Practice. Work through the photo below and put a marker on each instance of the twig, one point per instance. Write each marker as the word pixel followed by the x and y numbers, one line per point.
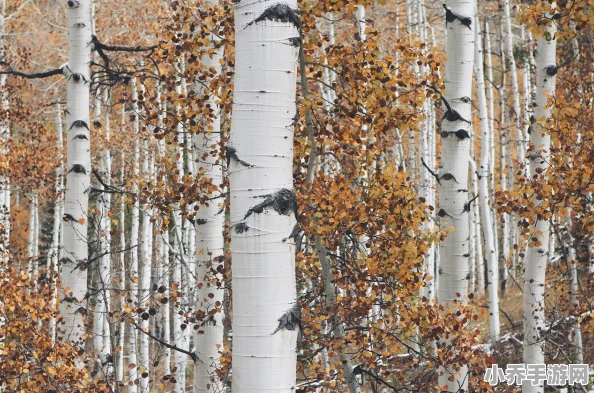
pixel 39 75
pixel 192 355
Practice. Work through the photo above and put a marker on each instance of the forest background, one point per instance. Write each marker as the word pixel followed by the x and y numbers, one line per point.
pixel 313 196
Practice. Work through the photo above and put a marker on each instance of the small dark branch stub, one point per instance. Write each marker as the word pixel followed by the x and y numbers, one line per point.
pixel 231 153
pixel 68 217
pixel 467 205
pixel 241 228
pixel 295 41
pixel 448 176
pixel 551 70
pixel 80 124
pixel 291 320
pixel 78 168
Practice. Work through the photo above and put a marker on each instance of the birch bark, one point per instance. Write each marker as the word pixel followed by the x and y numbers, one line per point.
pixel 484 172
pixel 133 278
pixel 509 49
pixel 102 339
pixel 73 273
pixel 453 172
pixel 209 240
pixel 58 212
pixel 537 253
pixel 266 314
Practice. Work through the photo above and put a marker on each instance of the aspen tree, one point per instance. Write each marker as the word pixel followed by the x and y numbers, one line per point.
pixel 509 51
pixel 179 359
pixel 209 237
pixel 32 248
pixel 57 219
pixel 538 252
pixel 73 273
pixel 454 205
pixel 484 170
pixel 144 276
pixel 266 313
pixel 133 278
pixel 101 331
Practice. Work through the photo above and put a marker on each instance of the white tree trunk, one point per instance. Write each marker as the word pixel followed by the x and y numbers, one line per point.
pixel 166 335
pixel 179 337
pixel 526 78
pixel 506 179
pixel 266 314
pixel 210 242
pixel 509 49
pixel 475 232
pixel 133 277
pixel 537 253
pixel 75 253
pixel 121 271
pixel 145 281
pixel 163 257
pixel 453 172
pixel 101 338
pixel 57 225
pixel 32 244
pixel 490 99
pixel 484 173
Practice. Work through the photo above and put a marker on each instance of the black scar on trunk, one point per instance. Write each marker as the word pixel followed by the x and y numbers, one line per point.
pixel 469 203
pixel 231 153
pixel 448 176
pixel 79 123
pixel 452 16
pixel 531 126
pixel 451 114
pixel 283 202
pixel 82 311
pixel 295 41
pixel 551 70
pixel 78 168
pixel 291 320
pixel 241 228
pixel 81 136
pixel 443 213
pixel 279 12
